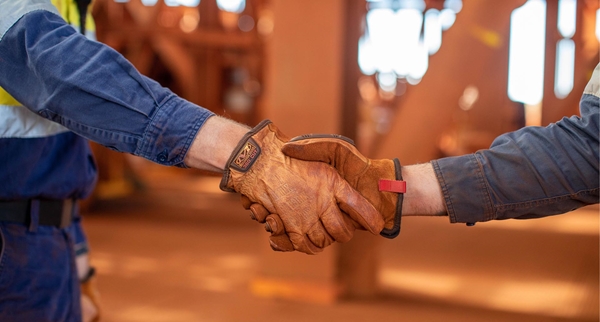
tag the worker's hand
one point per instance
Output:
(380, 181)
(377, 180)
(278, 240)
(315, 205)
(90, 298)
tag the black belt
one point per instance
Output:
(58, 213)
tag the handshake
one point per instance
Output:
(308, 205)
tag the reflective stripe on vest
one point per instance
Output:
(17, 121)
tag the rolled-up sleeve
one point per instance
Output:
(91, 89)
(530, 173)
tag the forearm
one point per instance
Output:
(530, 173)
(507, 181)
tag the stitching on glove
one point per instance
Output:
(322, 136)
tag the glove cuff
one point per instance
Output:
(398, 186)
(243, 156)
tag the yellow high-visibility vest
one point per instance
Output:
(68, 10)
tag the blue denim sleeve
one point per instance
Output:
(94, 91)
(530, 173)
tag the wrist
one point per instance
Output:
(262, 143)
(214, 144)
(423, 195)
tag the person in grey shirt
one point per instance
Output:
(529, 173)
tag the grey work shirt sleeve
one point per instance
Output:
(530, 173)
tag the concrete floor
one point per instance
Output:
(183, 251)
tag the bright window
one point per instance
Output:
(187, 3)
(526, 52)
(598, 24)
(567, 15)
(565, 49)
(236, 6)
(400, 36)
(565, 68)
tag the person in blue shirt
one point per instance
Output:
(19, 136)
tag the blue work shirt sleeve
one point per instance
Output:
(93, 90)
(530, 173)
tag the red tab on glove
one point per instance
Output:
(392, 186)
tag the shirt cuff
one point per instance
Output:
(171, 132)
(464, 188)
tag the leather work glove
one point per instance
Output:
(278, 240)
(316, 206)
(379, 181)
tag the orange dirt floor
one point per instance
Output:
(180, 250)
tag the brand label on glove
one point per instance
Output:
(246, 156)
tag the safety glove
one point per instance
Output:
(316, 206)
(379, 181)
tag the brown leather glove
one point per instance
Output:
(278, 240)
(309, 197)
(380, 181)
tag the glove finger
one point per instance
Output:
(281, 243)
(334, 150)
(259, 213)
(246, 202)
(340, 229)
(319, 236)
(274, 225)
(303, 244)
(358, 208)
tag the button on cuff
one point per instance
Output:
(163, 156)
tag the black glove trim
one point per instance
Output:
(395, 231)
(243, 156)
